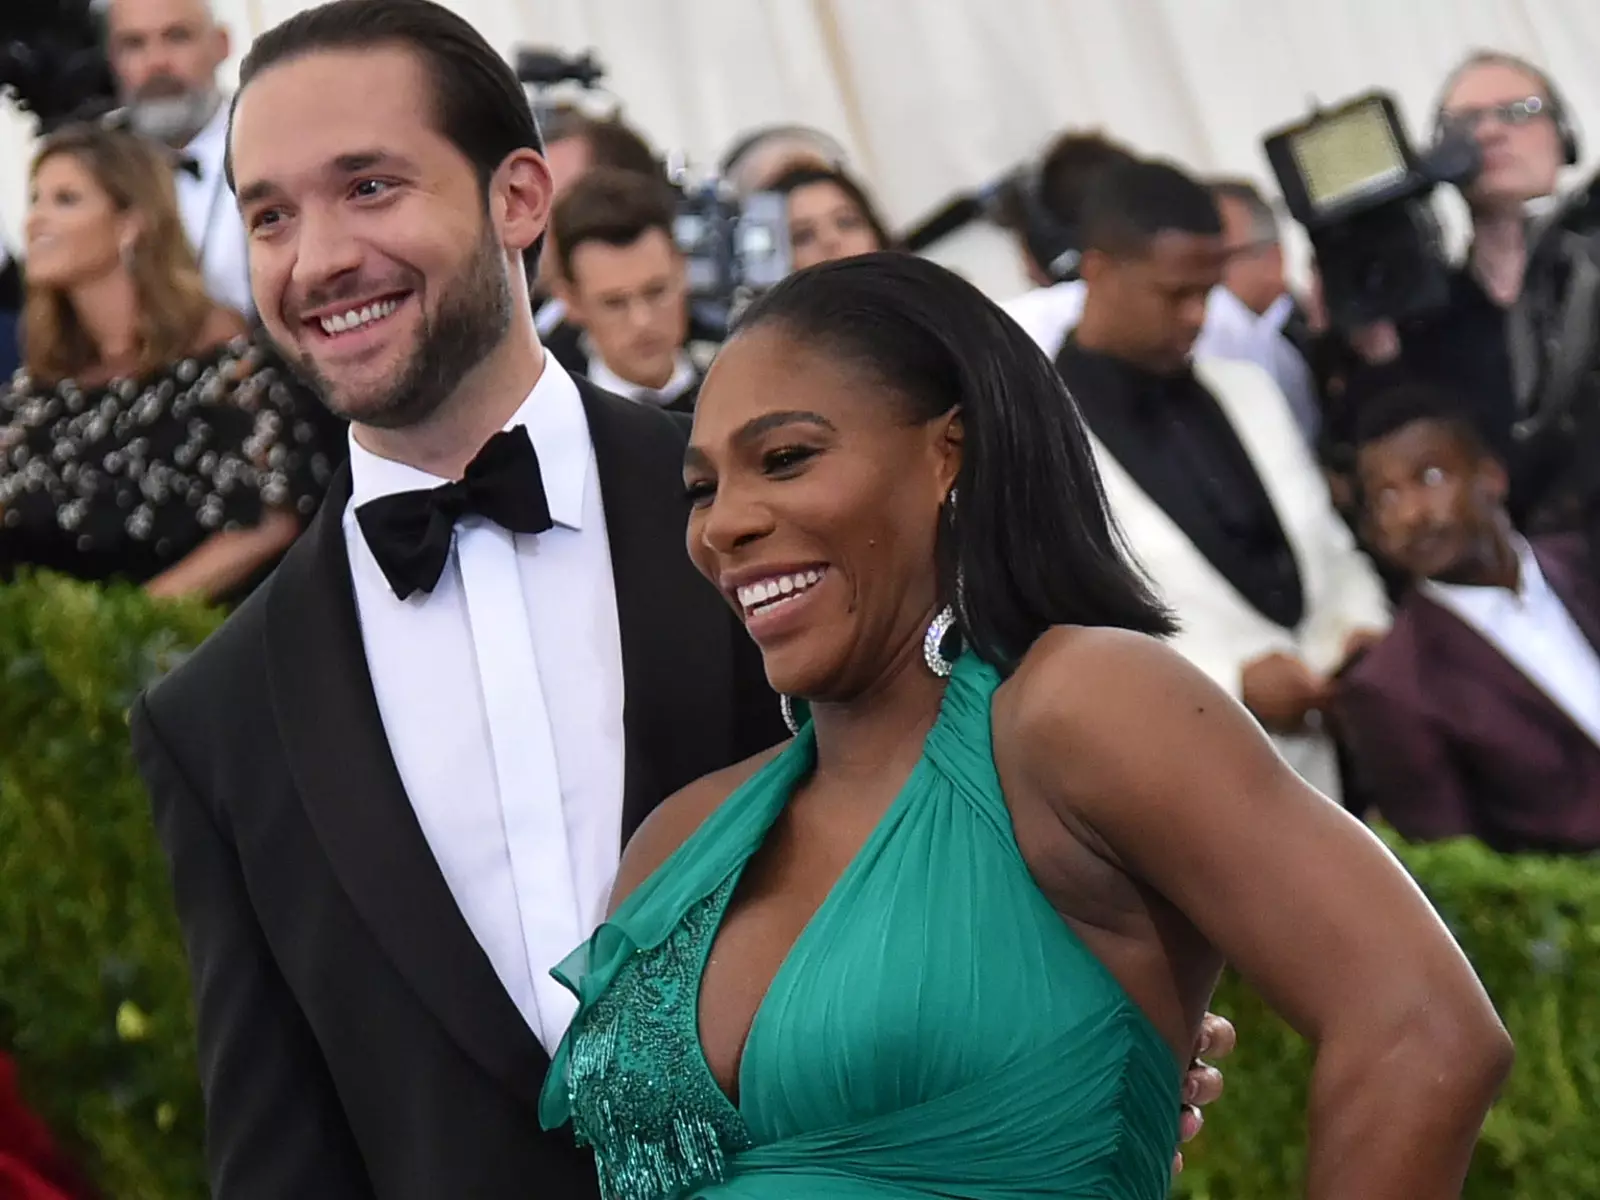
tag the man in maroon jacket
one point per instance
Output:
(1479, 714)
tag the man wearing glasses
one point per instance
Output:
(1518, 339)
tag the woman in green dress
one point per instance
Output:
(957, 937)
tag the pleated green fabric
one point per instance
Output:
(937, 1029)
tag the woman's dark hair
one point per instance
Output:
(479, 105)
(798, 177)
(1030, 536)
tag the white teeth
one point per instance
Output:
(357, 317)
(777, 590)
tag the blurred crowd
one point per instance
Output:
(1378, 538)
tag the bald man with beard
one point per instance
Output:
(165, 55)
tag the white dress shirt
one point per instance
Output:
(1231, 330)
(211, 217)
(437, 698)
(549, 315)
(1537, 635)
(1238, 331)
(683, 378)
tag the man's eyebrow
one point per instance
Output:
(352, 163)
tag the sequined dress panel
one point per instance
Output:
(937, 1029)
(124, 480)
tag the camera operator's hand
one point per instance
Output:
(1281, 692)
(1377, 343)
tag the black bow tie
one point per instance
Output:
(189, 163)
(409, 532)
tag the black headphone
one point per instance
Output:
(1566, 128)
(1055, 246)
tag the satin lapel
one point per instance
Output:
(333, 735)
(1482, 667)
(676, 654)
(1570, 579)
(1275, 446)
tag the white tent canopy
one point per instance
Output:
(935, 96)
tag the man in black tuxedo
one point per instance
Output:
(394, 787)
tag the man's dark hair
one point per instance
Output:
(1069, 168)
(478, 102)
(798, 177)
(1031, 541)
(1130, 203)
(1264, 229)
(612, 142)
(1389, 408)
(610, 205)
(1060, 180)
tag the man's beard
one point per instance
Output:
(473, 318)
(175, 115)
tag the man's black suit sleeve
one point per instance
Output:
(274, 1125)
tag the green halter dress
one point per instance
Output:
(937, 1029)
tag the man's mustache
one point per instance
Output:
(162, 87)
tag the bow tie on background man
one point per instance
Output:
(410, 532)
(188, 163)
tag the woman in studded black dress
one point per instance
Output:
(147, 437)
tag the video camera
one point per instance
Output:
(52, 60)
(736, 248)
(541, 69)
(1363, 192)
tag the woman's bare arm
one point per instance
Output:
(225, 560)
(1184, 792)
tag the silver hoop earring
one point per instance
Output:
(786, 706)
(933, 643)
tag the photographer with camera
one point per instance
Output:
(1517, 336)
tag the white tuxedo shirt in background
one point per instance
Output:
(211, 217)
(1535, 633)
(430, 690)
(683, 378)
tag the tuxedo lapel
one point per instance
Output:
(333, 736)
(1482, 668)
(1566, 569)
(676, 654)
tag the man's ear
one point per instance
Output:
(520, 199)
(1093, 265)
(1491, 481)
(563, 291)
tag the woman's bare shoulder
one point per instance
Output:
(1073, 667)
(675, 820)
(1121, 700)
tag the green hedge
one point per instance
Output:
(94, 996)
(1532, 928)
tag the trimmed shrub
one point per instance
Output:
(94, 990)
(1531, 927)
(94, 994)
